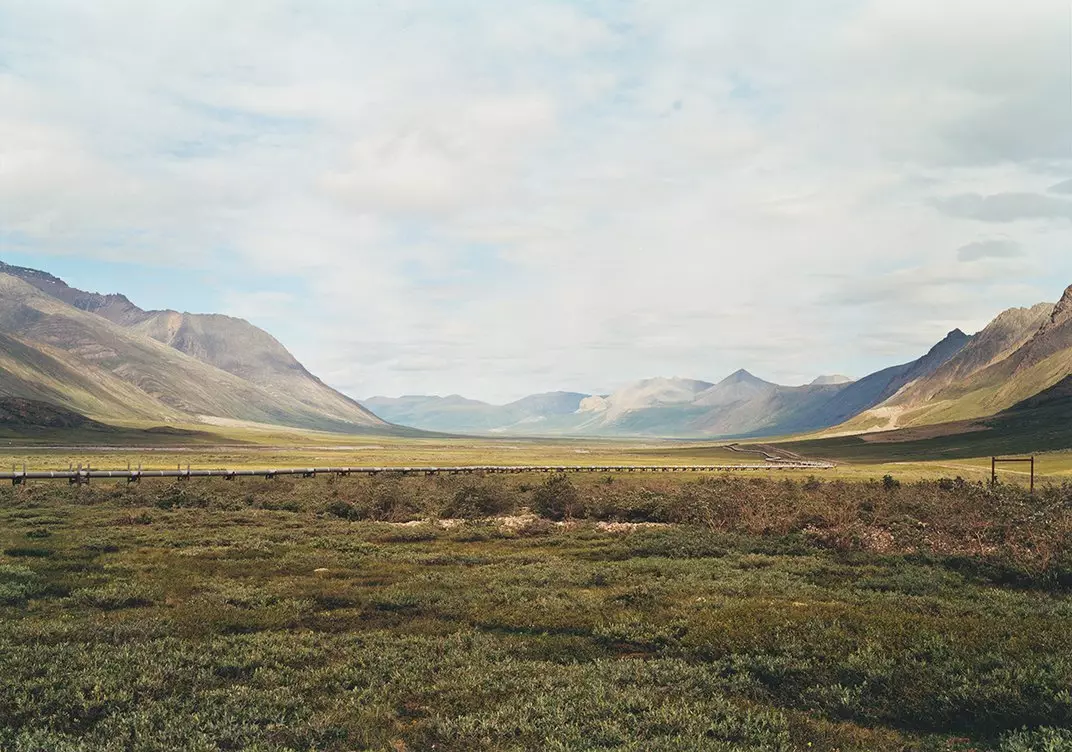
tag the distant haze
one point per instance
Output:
(504, 199)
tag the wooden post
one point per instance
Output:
(1026, 460)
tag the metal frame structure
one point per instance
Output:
(81, 475)
(995, 461)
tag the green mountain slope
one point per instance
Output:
(38, 372)
(16, 412)
(1040, 423)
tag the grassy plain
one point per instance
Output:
(333, 450)
(724, 613)
(913, 454)
(856, 458)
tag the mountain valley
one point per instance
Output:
(104, 359)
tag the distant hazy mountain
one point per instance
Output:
(740, 405)
(106, 358)
(832, 380)
(537, 413)
(1021, 353)
(743, 405)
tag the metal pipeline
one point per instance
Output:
(82, 475)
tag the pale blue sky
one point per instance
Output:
(496, 199)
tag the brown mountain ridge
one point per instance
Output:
(105, 357)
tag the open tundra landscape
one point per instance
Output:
(858, 587)
(564, 376)
(536, 613)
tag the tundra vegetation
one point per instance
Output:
(536, 612)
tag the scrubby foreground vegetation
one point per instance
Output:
(622, 613)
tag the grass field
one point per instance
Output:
(374, 452)
(725, 613)
(268, 449)
(908, 455)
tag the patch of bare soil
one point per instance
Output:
(925, 432)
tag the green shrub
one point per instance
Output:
(476, 500)
(410, 534)
(28, 552)
(557, 499)
(18, 584)
(639, 634)
(184, 495)
(100, 545)
(1037, 740)
(114, 596)
(342, 509)
(675, 543)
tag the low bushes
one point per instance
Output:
(477, 500)
(950, 517)
(18, 584)
(114, 595)
(557, 499)
(766, 616)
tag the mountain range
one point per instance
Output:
(741, 405)
(105, 358)
(1020, 354)
(67, 355)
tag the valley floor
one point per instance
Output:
(732, 613)
(855, 459)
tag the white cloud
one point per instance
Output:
(1006, 207)
(441, 159)
(998, 248)
(260, 304)
(492, 200)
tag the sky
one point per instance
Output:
(496, 199)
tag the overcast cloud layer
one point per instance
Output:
(503, 198)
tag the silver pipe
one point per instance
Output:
(86, 473)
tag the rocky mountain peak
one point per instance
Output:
(26, 273)
(1063, 311)
(1061, 315)
(741, 376)
(948, 347)
(115, 307)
